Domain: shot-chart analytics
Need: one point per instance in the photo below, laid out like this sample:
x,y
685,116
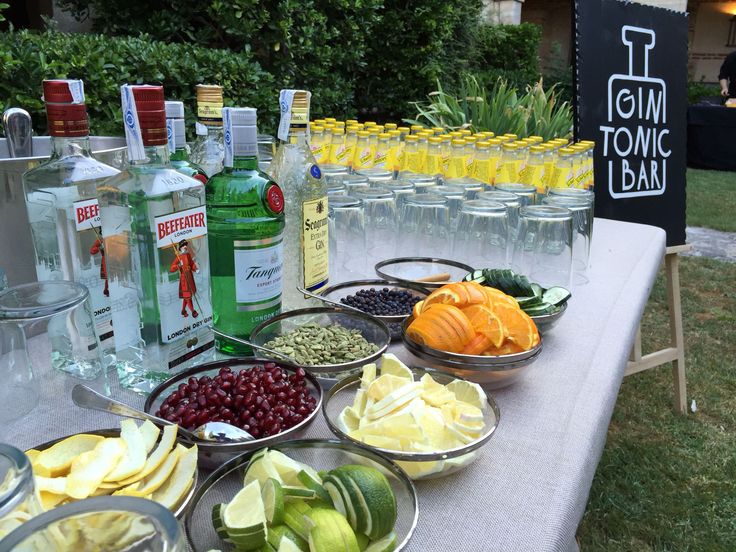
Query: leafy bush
x,y
103,63
696,91
559,72
499,109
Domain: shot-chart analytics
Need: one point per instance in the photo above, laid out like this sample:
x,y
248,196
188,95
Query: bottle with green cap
x,y
178,147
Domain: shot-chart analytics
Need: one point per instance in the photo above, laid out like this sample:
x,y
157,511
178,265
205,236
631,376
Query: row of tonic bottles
x,y
492,159
182,239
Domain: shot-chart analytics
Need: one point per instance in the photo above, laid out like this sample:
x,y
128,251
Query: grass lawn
x,y
668,482
711,199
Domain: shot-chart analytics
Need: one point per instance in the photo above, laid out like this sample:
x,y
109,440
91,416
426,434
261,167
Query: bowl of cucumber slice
x,y
545,305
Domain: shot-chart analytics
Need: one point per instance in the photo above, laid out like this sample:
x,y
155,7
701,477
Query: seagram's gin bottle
x,y
61,197
245,218
208,150
178,147
296,171
155,229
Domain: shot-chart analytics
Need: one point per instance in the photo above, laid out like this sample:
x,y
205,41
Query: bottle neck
x,y
155,156
62,146
244,163
180,154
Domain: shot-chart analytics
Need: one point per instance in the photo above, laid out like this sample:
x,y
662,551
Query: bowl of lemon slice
x,y
429,422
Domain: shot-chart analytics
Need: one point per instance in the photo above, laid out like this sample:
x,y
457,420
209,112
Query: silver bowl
x,y
321,454
419,465
546,322
212,455
340,291
373,330
115,432
492,372
413,269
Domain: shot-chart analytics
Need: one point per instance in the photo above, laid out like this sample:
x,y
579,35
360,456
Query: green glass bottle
x,y
245,216
178,147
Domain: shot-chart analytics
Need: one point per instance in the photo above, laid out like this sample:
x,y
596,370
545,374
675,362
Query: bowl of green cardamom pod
x,y
328,342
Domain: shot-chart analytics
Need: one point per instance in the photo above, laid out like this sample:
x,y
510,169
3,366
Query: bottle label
x,y
381,159
482,171
171,135
93,273
561,177
208,112
315,244
434,164
258,273
183,278
133,136
533,175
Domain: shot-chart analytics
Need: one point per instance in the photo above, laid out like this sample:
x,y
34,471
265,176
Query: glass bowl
x,y
418,465
212,455
492,372
421,270
115,432
546,322
340,291
110,523
373,330
322,454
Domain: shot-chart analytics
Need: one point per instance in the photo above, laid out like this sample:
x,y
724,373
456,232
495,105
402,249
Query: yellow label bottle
x,y
550,157
562,175
508,171
482,162
337,147
469,154
433,160
412,155
383,149
317,142
446,149
457,166
533,173
364,154
351,138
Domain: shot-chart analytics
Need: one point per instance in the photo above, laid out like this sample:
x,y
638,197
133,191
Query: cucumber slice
x,y
523,285
475,276
544,308
528,302
537,289
556,295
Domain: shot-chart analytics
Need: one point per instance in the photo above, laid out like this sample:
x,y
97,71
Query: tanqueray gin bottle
x,y
155,230
61,197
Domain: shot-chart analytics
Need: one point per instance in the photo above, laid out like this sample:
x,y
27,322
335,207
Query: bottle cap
x,y
566,151
243,116
458,142
337,132
412,138
65,110
149,103
537,149
174,110
67,91
363,133
403,130
435,140
209,104
384,136
510,146
241,135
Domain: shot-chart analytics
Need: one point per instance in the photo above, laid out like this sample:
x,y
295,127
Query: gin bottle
x,y
208,150
177,139
245,219
155,229
61,197
305,191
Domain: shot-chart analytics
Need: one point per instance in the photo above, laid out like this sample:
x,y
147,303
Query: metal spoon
x,y
220,432
271,352
328,301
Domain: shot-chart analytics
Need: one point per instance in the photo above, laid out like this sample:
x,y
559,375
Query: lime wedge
x,y
386,544
217,522
331,532
299,492
245,517
288,545
261,468
313,482
294,513
278,532
273,501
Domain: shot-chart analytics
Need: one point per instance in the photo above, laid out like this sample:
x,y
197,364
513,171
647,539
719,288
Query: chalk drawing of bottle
x,y
637,100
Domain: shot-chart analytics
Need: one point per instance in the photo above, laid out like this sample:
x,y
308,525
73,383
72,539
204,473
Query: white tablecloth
x,y
528,489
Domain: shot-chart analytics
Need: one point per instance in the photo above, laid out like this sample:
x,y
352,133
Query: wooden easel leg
x,y
677,338
635,355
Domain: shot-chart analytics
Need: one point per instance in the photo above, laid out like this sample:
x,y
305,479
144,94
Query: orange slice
x,y
442,327
486,323
477,345
519,326
443,296
508,348
495,295
475,292
417,310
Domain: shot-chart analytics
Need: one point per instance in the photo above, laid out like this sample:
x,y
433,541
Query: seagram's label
x,y
315,243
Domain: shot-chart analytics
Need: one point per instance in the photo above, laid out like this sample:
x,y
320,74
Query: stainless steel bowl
x,y
546,322
373,330
413,269
322,454
115,432
341,291
492,372
418,465
212,455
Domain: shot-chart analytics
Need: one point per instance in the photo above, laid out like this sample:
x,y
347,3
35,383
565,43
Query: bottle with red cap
x,y
245,214
155,229
61,197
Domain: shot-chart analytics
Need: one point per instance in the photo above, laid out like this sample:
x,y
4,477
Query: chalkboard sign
x,y
631,99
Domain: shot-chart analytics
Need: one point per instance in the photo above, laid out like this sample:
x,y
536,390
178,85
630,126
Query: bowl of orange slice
x,y
475,332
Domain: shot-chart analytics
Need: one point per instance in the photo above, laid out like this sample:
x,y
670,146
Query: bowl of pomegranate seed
x,y
271,401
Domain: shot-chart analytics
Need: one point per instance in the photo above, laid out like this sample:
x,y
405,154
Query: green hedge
x,y
104,63
507,51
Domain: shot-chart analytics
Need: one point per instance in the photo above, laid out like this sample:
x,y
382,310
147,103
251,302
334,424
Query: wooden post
x,y
675,353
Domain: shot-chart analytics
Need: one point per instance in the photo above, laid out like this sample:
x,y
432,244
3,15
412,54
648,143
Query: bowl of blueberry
x,y
272,401
390,302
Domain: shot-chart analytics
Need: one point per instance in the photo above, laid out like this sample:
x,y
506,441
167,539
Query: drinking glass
x,y
376,176
513,204
18,502
332,172
379,207
481,238
455,195
336,188
526,192
401,190
543,246
471,186
424,226
582,226
346,227
353,182
110,523
422,182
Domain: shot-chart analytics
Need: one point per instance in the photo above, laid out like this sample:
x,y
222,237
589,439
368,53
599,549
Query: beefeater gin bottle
x,y
155,232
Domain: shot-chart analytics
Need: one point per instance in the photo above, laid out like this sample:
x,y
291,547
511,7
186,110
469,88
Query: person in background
x,y
727,76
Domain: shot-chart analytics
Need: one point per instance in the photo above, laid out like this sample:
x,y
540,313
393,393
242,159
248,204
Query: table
x,y
529,487
711,137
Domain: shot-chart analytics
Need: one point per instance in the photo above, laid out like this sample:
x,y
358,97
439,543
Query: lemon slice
x,y
384,385
468,414
369,374
56,485
393,400
178,484
469,392
150,434
348,420
359,404
57,460
157,457
50,500
390,364
159,476
435,393
89,469
417,470
135,453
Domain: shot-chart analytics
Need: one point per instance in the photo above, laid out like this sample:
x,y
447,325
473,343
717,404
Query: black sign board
x,y
631,99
